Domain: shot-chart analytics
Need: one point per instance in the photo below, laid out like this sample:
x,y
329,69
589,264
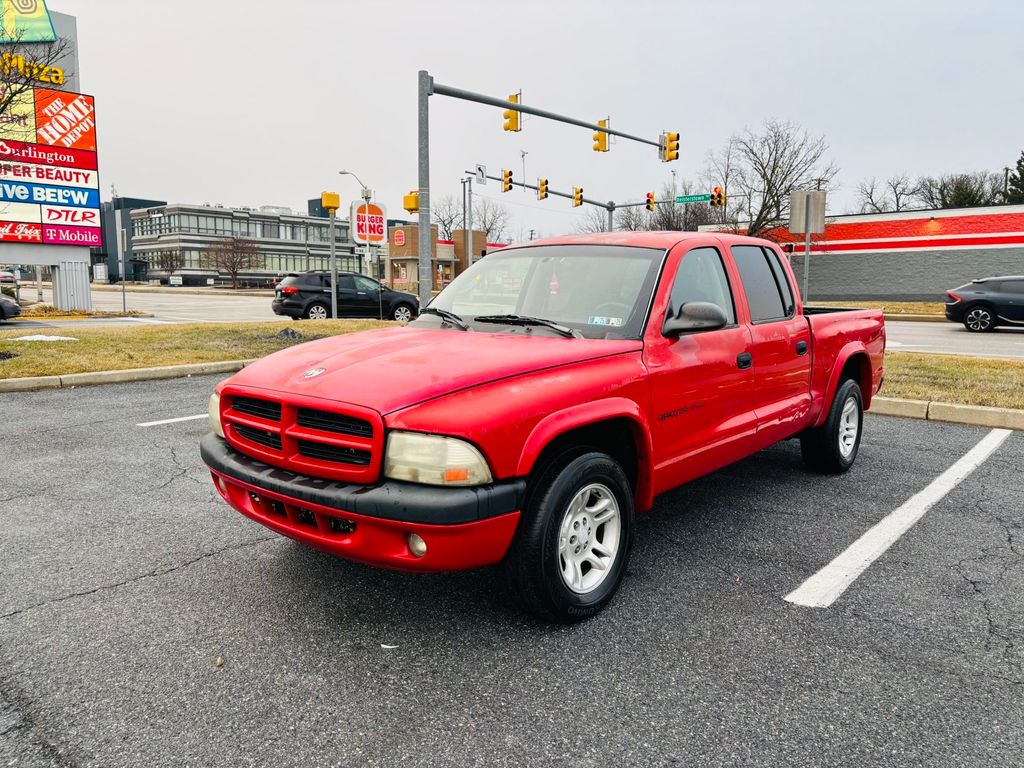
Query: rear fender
x,y
863,378
559,423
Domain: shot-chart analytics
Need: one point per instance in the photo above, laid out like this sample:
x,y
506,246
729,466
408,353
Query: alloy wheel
x,y
588,538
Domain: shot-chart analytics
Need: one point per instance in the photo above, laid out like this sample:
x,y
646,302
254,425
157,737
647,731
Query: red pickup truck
x,y
544,396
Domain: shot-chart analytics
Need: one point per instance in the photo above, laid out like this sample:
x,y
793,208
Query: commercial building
x,y
909,255
173,240
448,258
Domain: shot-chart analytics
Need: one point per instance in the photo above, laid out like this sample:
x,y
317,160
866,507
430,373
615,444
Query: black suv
x,y
983,304
309,295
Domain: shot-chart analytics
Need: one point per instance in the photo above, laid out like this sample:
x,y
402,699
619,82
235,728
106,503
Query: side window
x,y
759,283
345,283
1014,287
781,280
365,284
313,280
701,277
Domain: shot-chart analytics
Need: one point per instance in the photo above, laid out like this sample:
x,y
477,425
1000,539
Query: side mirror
x,y
695,316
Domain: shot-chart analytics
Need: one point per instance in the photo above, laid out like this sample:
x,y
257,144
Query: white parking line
x,y
172,421
824,588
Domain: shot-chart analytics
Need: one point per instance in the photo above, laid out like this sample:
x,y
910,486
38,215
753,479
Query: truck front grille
x,y
342,442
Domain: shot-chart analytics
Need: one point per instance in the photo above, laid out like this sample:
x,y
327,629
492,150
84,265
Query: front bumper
x,y
462,527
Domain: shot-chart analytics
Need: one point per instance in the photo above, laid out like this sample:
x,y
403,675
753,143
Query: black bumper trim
x,y
390,500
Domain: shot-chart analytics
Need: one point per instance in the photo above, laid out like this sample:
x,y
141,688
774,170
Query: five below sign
x,y
372,232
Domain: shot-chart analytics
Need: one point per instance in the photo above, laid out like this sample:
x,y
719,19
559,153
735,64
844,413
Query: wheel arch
x,y
616,426
853,362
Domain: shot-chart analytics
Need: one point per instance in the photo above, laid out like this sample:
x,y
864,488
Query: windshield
x,y
602,291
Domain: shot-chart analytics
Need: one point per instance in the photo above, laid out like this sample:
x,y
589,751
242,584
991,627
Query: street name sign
x,y
683,199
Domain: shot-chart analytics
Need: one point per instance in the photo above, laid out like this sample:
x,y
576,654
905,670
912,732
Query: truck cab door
x,y
701,382
781,339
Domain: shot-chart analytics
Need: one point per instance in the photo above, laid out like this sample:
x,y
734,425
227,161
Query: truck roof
x,y
663,240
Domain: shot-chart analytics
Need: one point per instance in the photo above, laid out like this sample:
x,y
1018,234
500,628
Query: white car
x,y
8,277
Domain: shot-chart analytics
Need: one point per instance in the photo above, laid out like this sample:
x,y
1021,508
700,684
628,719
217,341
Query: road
x,y
945,338
123,578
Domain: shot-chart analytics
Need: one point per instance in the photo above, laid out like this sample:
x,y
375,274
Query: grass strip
x,y
119,348
954,379
889,307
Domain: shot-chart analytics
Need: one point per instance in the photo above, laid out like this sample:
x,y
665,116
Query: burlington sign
x,y
49,185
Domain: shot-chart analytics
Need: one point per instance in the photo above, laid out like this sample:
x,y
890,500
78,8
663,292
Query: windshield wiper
x,y
525,320
450,317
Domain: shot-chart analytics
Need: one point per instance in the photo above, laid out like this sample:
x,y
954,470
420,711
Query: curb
x,y
975,415
32,383
918,318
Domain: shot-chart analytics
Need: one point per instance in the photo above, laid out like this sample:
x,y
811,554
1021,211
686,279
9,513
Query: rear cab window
x,y
767,299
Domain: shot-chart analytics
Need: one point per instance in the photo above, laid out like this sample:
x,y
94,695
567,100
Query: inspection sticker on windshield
x,y
595,320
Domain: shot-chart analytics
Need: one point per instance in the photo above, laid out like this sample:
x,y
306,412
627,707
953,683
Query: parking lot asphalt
x,y
124,577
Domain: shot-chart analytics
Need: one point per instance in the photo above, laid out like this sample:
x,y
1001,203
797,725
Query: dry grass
x,y
48,310
889,307
954,379
109,349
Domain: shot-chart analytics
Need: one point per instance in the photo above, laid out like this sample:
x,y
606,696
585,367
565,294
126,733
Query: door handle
x,y
801,347
744,360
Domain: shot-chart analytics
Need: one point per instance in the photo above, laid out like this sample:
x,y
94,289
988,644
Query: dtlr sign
x,y
370,223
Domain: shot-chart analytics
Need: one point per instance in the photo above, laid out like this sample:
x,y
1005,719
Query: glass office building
x,y
172,240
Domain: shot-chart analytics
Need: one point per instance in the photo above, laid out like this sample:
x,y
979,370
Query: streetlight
x,y
367,197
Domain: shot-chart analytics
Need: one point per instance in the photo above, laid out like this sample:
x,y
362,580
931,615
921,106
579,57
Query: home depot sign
x,y
369,223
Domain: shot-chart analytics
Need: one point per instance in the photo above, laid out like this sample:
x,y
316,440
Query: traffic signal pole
x,y
426,277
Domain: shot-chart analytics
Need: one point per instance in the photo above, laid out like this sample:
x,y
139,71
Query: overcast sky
x,y
260,103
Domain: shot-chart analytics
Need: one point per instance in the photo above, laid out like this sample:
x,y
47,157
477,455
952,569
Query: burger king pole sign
x,y
369,223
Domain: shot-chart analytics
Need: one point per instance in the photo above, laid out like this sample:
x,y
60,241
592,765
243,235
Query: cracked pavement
x,y
123,578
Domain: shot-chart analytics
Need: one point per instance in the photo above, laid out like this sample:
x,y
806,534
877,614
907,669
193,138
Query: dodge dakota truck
x,y
542,398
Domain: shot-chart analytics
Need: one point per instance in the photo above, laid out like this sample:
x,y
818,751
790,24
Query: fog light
x,y
417,545
221,485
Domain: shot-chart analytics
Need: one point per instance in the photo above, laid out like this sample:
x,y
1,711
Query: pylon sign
x,y
369,223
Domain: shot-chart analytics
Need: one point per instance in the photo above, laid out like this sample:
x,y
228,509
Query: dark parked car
x,y
8,308
983,304
309,295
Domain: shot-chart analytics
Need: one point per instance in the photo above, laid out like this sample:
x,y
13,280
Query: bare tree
x,y
447,213
761,168
633,219
232,255
960,190
594,220
24,65
896,194
490,216
168,261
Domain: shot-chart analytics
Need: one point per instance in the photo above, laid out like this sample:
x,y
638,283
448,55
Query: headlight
x,y
215,424
434,460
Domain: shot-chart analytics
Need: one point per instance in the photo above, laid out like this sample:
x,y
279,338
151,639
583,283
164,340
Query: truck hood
x,y
394,368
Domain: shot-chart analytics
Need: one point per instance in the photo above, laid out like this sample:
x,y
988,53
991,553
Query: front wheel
x,y
979,319
832,448
574,539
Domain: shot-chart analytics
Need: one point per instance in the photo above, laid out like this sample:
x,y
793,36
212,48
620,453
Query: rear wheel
x,y
979,319
574,539
832,448
402,313
317,311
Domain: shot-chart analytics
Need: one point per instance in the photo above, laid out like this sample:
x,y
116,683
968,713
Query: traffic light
x,y
542,189
411,201
506,181
512,115
650,201
577,197
601,138
717,198
669,149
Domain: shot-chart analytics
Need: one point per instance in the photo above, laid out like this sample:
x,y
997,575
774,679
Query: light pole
x,y
367,197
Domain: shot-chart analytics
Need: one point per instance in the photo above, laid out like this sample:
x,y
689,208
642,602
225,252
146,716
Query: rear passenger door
x,y
781,341
1012,306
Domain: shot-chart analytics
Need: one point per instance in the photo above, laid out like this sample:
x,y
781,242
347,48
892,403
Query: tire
x,y
559,512
403,313
979,319
832,448
317,311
